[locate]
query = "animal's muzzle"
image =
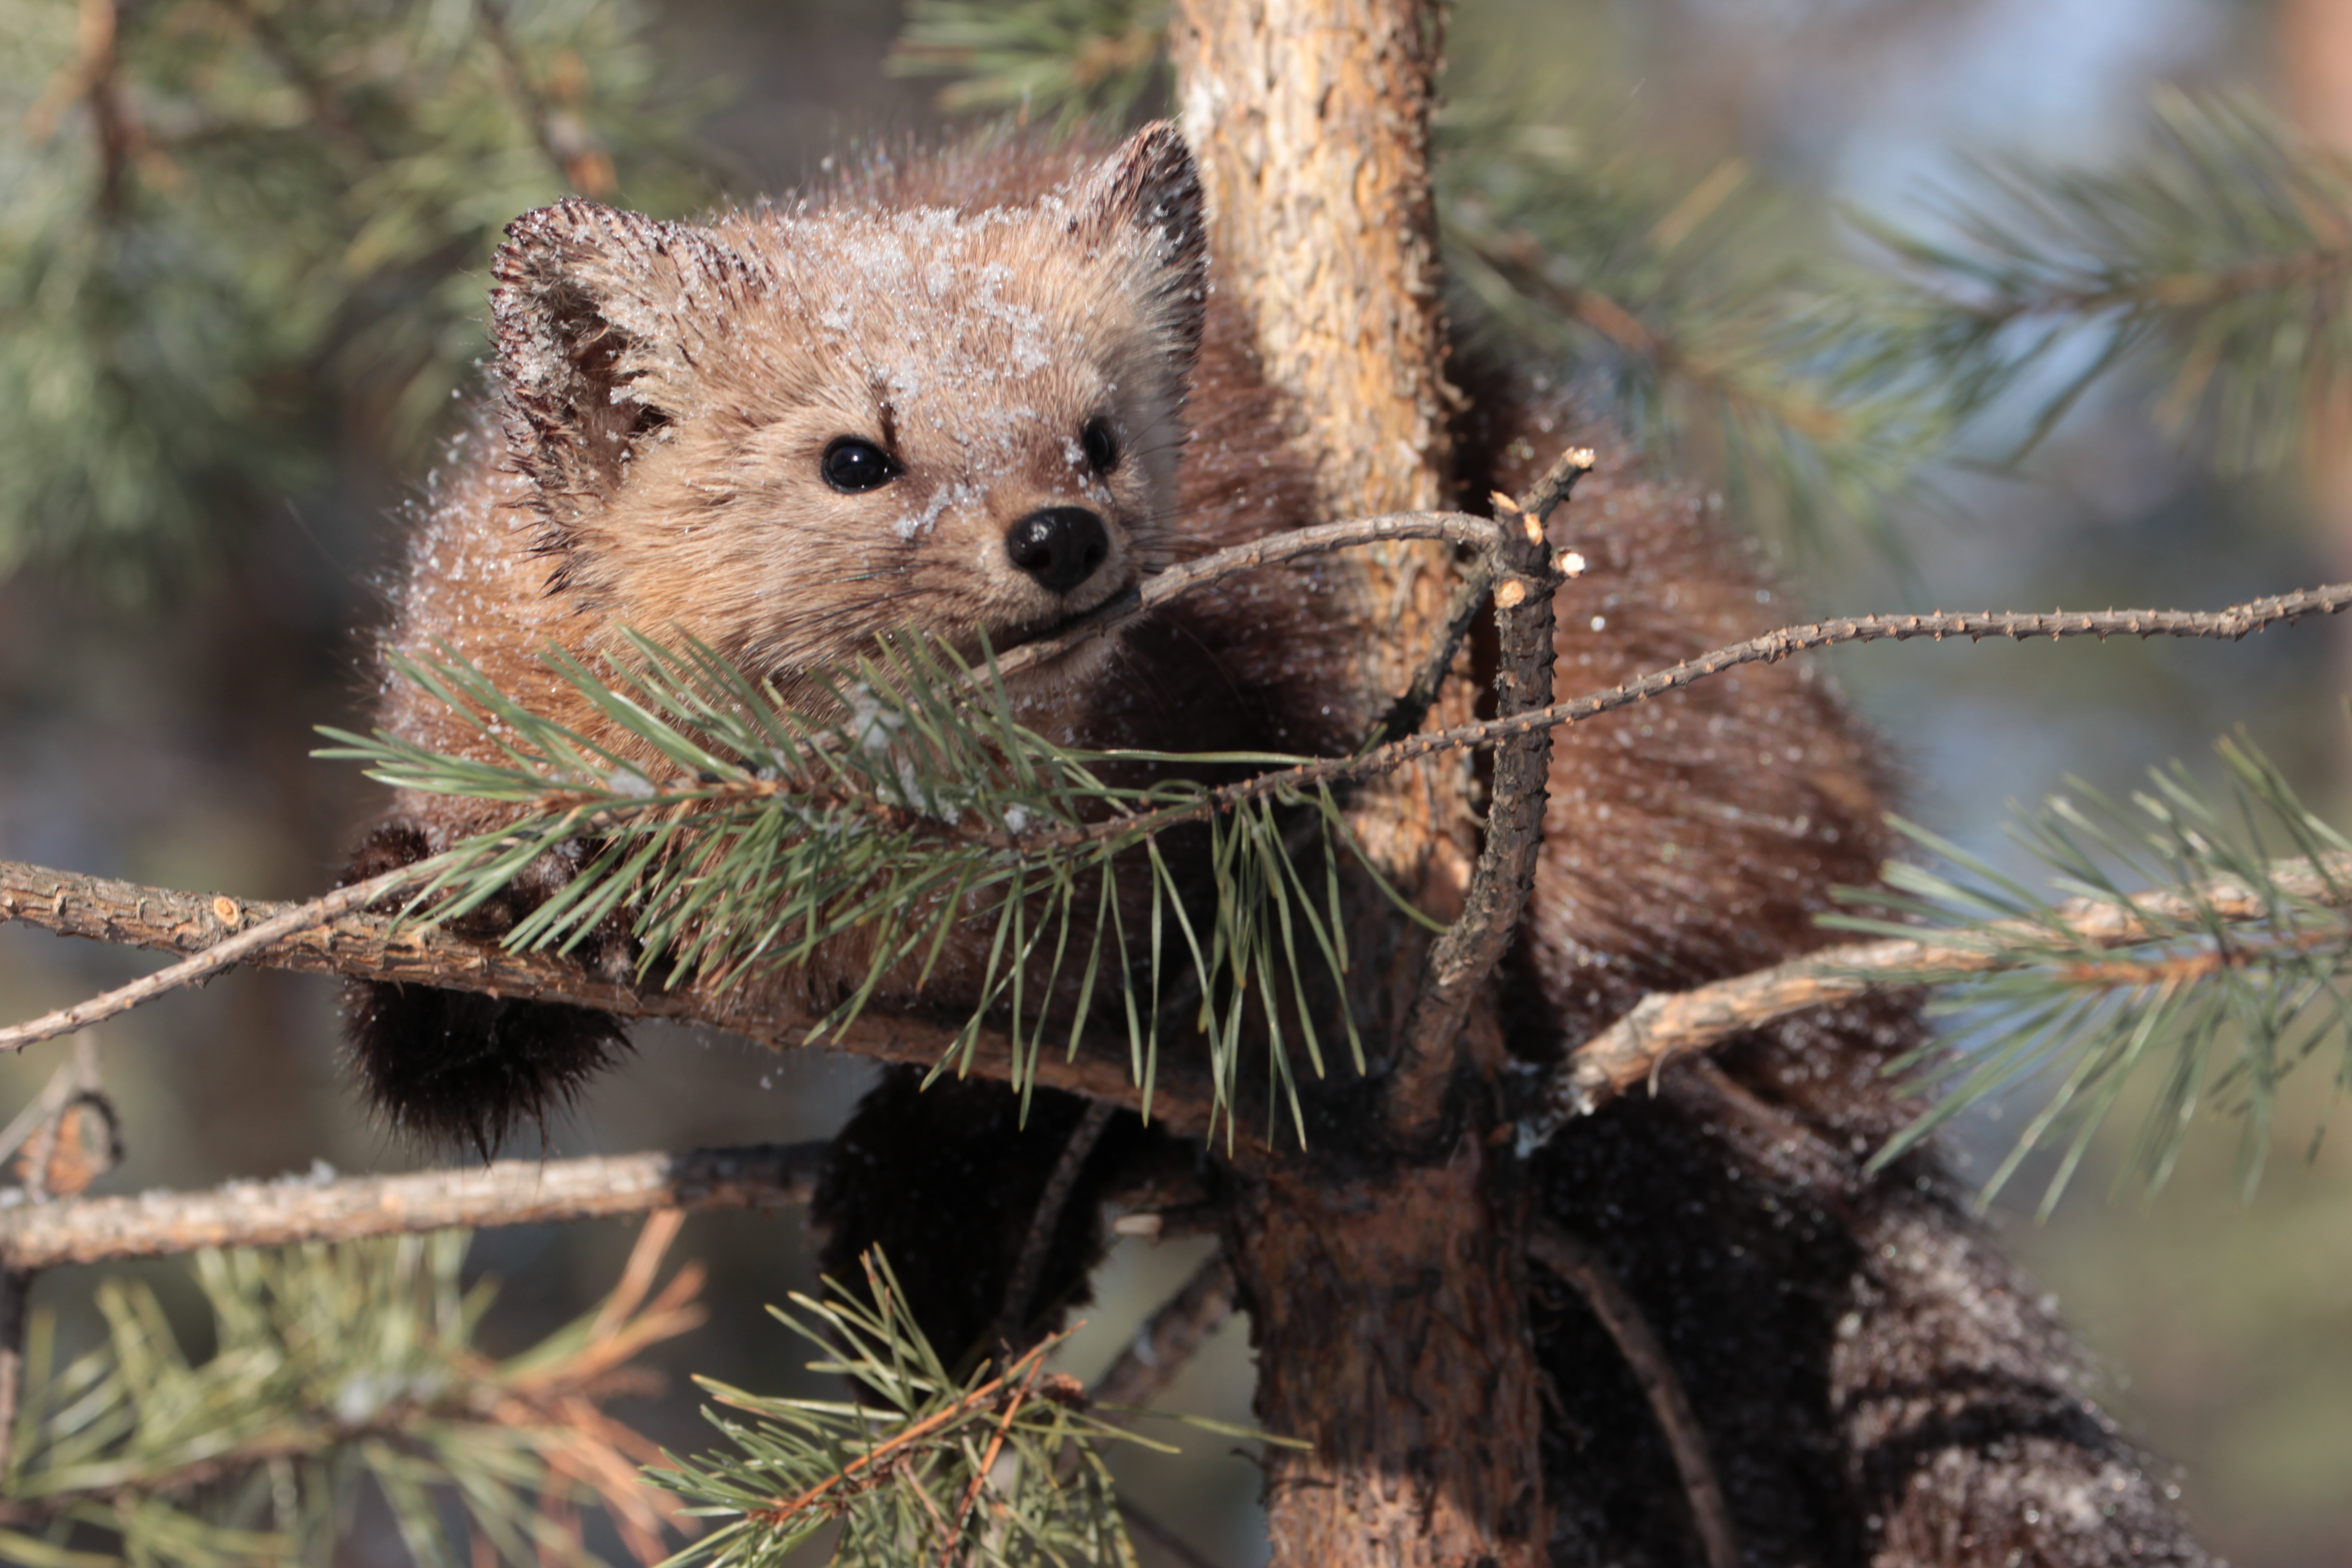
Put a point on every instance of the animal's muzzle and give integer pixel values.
(1060, 546)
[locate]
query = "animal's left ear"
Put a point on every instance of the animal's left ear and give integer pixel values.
(1145, 198)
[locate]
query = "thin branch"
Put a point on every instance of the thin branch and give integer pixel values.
(220, 956)
(1189, 576)
(988, 1462)
(2229, 625)
(375, 947)
(1673, 1024)
(510, 1192)
(1577, 1265)
(1462, 957)
(784, 1510)
(903, 1040)
(1170, 1337)
(1045, 1224)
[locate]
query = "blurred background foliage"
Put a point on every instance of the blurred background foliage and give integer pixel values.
(2007, 303)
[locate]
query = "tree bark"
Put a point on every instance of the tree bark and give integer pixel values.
(1385, 1284)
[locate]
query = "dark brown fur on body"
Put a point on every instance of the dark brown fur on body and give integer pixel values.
(653, 433)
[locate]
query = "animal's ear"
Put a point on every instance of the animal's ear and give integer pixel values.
(1147, 195)
(600, 317)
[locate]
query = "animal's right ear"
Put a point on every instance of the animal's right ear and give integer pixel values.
(1147, 194)
(600, 317)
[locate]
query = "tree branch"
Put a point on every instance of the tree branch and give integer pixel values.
(1189, 576)
(219, 955)
(1577, 1265)
(1459, 962)
(1170, 1337)
(1672, 1024)
(1020, 1293)
(2228, 624)
(329, 934)
(297, 1209)
(374, 947)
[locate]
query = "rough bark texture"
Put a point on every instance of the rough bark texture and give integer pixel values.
(1390, 1320)
(1387, 1298)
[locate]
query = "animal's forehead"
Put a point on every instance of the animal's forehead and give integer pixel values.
(1011, 280)
(944, 311)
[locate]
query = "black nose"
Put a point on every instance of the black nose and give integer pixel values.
(1060, 546)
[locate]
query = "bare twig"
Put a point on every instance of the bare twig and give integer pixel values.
(220, 956)
(1462, 957)
(374, 947)
(1673, 1024)
(2227, 626)
(1170, 1337)
(988, 1462)
(1020, 1294)
(298, 1209)
(1190, 576)
(1578, 1266)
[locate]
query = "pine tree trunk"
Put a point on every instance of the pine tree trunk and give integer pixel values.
(1383, 1269)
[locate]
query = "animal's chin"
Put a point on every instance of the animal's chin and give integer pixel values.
(1032, 635)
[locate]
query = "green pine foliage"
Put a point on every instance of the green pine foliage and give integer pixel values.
(333, 1369)
(233, 234)
(2219, 1009)
(916, 803)
(1679, 306)
(2215, 263)
(1000, 1468)
(1062, 61)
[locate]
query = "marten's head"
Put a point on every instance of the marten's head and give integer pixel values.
(796, 430)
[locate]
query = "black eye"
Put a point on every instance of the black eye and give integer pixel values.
(1101, 445)
(852, 466)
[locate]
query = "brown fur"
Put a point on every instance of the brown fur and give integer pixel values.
(661, 400)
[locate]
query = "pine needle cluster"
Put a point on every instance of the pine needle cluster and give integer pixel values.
(2219, 1003)
(234, 233)
(1000, 1468)
(912, 802)
(1681, 307)
(2214, 263)
(334, 1369)
(1061, 62)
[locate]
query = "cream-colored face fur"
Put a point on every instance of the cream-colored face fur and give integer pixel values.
(679, 390)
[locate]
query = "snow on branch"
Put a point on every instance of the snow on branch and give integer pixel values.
(298, 1209)
(1668, 1025)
